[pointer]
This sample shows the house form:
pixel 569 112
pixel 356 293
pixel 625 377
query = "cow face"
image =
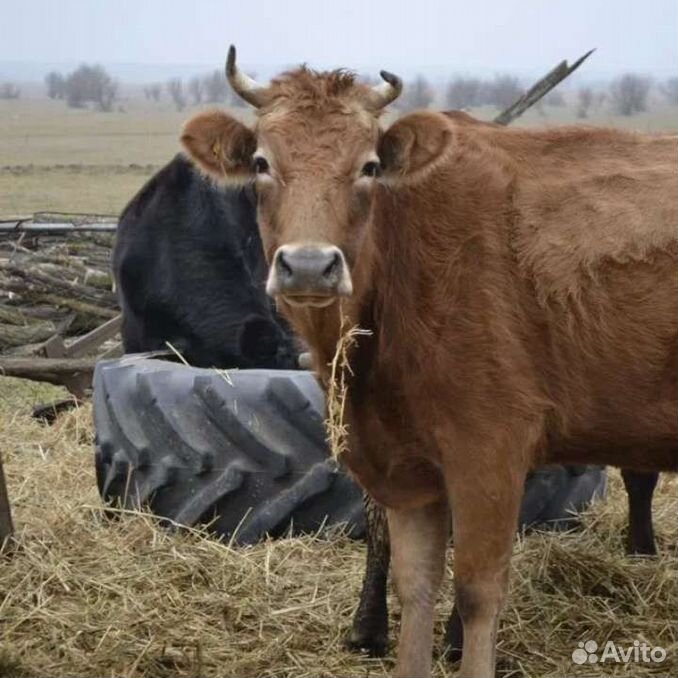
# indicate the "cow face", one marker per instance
pixel 318 159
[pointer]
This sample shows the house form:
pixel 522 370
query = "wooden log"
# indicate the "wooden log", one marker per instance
pixel 45 277
pixel 49 368
pixel 14 316
pixel 87 315
pixel 73 373
pixel 36 277
pixel 81 307
pixel 63 227
pixel 18 335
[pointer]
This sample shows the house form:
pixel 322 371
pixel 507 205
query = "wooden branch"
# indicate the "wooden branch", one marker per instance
pixel 95 338
pixel 49 412
pixel 540 89
pixel 23 227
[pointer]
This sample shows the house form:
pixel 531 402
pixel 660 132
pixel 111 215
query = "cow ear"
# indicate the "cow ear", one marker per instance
pixel 414 146
pixel 220 145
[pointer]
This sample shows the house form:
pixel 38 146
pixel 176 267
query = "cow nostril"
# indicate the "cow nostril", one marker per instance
pixel 333 266
pixel 283 266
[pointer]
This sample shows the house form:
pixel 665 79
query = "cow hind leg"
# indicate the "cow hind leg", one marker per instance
pixel 369 632
pixel 418 540
pixel 454 636
pixel 640 488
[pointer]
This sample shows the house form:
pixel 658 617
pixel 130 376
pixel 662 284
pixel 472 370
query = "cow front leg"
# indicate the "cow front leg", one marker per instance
pixel 485 506
pixel 418 540
pixel 370 622
pixel 640 488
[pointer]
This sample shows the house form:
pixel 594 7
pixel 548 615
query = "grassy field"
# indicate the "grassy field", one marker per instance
pixel 60 159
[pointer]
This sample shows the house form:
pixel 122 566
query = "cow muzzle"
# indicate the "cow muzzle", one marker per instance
pixel 309 275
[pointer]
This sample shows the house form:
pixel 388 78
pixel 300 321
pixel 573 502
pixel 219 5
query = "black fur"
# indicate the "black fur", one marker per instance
pixel 190 270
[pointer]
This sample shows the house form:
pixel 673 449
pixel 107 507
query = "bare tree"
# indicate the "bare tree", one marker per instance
pixel 107 95
pixel 464 93
pixel 669 90
pixel 416 94
pixel 9 90
pixel 175 88
pixel 216 87
pixel 153 91
pixel 502 91
pixel 628 93
pixel 554 98
pixel 56 85
pixel 90 84
pixel 196 87
pixel 584 102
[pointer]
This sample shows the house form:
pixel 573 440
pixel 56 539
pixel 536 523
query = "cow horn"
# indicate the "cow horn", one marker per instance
pixel 245 87
pixel 383 94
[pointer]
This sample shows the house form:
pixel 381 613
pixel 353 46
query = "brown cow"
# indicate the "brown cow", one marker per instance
pixel 520 290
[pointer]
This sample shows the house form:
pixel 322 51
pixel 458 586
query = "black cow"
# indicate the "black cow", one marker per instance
pixel 190 272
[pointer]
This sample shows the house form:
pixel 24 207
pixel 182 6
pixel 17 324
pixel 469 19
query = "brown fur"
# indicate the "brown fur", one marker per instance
pixel 521 292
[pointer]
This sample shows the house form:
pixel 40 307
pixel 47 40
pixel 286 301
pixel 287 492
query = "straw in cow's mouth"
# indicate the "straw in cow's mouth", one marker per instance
pixel 337 390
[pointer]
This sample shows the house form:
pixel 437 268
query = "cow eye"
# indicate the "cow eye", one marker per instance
pixel 260 164
pixel 371 169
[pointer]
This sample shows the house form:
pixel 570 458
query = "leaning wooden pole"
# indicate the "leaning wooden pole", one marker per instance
pixel 540 89
pixel 6 527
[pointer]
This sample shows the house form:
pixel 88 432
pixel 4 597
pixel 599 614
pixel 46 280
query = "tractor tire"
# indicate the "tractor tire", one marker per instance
pixel 555 494
pixel 244 453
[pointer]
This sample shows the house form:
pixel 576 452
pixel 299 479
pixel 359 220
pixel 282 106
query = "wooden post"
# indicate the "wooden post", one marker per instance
pixel 6 527
pixel 539 89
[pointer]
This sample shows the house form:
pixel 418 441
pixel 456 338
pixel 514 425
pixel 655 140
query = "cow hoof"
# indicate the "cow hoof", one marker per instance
pixel 641 549
pixel 372 645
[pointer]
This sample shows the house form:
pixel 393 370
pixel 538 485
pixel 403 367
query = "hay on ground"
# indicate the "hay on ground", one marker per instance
pixel 87 596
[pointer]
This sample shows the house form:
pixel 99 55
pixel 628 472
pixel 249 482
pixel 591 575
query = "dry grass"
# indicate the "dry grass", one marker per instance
pixel 74 189
pixel 82 160
pixel 87 596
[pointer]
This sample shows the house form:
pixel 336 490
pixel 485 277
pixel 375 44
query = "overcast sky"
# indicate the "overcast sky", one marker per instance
pixel 522 36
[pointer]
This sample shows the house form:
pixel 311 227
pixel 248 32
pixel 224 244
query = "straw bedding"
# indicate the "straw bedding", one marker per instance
pixel 85 595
